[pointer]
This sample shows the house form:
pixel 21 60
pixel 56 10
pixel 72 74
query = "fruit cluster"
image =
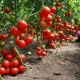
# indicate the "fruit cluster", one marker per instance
pixel 46 15
pixel 11 63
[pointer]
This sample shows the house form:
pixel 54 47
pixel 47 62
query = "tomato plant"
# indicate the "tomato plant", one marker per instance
pixel 54 21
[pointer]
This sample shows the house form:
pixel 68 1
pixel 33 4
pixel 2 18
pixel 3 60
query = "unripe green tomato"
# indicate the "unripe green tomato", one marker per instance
pixel 29 53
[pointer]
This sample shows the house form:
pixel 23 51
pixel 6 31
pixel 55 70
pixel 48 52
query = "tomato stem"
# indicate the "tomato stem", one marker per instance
pixel 1 77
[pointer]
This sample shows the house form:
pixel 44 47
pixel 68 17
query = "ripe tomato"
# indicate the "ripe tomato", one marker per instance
pixel 51 36
pixel 38 53
pixel 15 63
pixel 58 4
pixel 3 37
pixel 52 45
pixel 5 63
pixel 43 24
pixel 7 70
pixel 9 57
pixel 68 14
pixel 53 9
pixel 4 52
pixel 22 25
pixel 7 10
pixel 2 70
pixel 14 31
pixel 14 70
pixel 21 44
pixel 22 56
pixel 46 32
pixel 21 68
pixel 43 53
pixel 23 30
pixel 46 10
pixel 29 39
pixel 48 18
pixel 38 48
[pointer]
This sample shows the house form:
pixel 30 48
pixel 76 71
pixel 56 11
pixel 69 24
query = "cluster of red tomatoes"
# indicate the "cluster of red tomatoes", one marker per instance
pixel 20 32
pixel 46 15
pixel 11 64
pixel 40 51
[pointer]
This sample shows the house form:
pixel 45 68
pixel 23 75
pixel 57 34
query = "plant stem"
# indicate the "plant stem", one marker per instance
pixel 1 77
pixel 15 6
pixel 36 12
pixel 19 55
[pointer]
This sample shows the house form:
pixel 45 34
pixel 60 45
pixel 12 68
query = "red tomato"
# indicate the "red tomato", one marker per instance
pixel 48 18
pixel 15 63
pixel 52 45
pixel 2 70
pixel 58 20
pixel 43 24
pixel 58 4
pixel 14 31
pixel 53 9
pixel 22 56
pixel 21 44
pixel 46 32
pixel 14 54
pixel 38 53
pixel 21 68
pixel 38 48
pixel 29 39
pixel 46 10
pixel 45 37
pixel 7 70
pixel 22 25
pixel 9 57
pixel 3 37
pixel 43 53
pixel 14 70
pixel 23 30
pixel 58 17
pixel 5 63
pixel 51 36
pixel 68 13
pixel 7 10
pixel 4 52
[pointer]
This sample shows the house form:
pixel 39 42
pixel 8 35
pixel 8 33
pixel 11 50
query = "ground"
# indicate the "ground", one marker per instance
pixel 63 65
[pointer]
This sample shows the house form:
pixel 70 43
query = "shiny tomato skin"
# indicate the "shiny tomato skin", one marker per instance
pixel 9 57
pixel 46 32
pixel 43 24
pixel 15 63
pixel 2 70
pixel 46 10
pixel 38 53
pixel 28 39
pixel 5 63
pixel 53 9
pixel 22 25
pixel 21 68
pixel 3 37
pixel 43 53
pixel 21 44
pixel 14 31
pixel 51 36
pixel 4 52
pixel 7 70
pixel 48 18
pixel 14 70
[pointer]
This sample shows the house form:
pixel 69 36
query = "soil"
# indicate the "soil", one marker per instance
pixel 63 65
